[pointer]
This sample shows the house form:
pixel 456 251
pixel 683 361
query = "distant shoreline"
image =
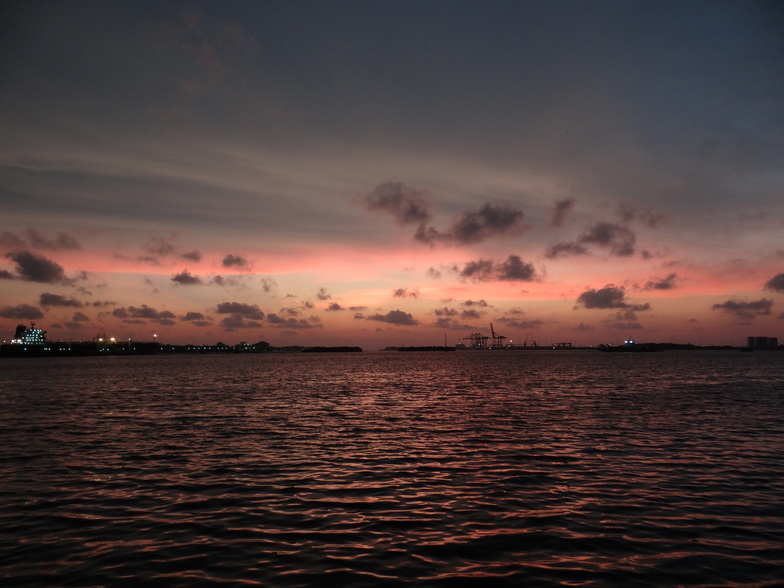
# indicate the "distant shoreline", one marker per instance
pixel 84 349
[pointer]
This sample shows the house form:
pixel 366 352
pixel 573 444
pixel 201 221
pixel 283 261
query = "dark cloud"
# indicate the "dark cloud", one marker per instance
pixel 521 325
pixel 99 303
pixel 513 269
pixel 193 316
pixel 192 255
pixel 627 314
pixel 268 284
pixel 481 303
pixel 62 241
pixel 480 270
pixel 445 312
pixel 407 205
pixel 405 293
pixel 232 260
pixel 47 299
pixel 250 311
pixel 489 220
pixel 474 226
pixel 394 317
pixel 225 281
pixel 334 306
pixel 452 324
pixel 559 211
pixel 471 314
pixel 135 314
pixel 293 323
pixel 448 267
pixel 80 317
pixel 565 248
pixel 322 294
pixel 22 311
pixel 34 239
pixel 608 297
pixel 236 321
pixel 6 275
pixel 12 241
pixel 667 283
pixel 619 239
pixel 776 283
pixel 158 247
pixel 745 310
pixel 34 268
pixel 644 215
pixel 430 235
pixel 444 323
pixel 186 278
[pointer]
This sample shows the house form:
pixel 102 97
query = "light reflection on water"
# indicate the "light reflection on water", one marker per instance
pixel 536 468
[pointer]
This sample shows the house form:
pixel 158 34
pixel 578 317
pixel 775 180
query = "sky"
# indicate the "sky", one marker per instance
pixel 393 173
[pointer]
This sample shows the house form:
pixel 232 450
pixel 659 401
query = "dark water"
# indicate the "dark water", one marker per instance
pixel 466 468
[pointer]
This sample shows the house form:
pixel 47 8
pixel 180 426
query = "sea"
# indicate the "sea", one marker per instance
pixel 466 468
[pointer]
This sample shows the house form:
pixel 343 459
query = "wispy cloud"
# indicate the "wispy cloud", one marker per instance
pixel 560 210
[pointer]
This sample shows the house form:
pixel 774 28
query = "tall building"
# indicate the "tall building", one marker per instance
pixel 762 342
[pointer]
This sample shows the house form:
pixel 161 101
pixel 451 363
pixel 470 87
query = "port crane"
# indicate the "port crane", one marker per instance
pixel 478 340
pixel 530 337
pixel 496 340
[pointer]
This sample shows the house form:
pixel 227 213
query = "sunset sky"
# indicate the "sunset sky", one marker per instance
pixel 382 173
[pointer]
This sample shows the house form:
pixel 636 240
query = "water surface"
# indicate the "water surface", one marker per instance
pixel 520 468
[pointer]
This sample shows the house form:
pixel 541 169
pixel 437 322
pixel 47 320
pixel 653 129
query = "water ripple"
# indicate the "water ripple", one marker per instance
pixel 541 469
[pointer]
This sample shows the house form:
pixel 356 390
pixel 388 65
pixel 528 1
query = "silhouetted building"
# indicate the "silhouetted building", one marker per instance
pixel 762 342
